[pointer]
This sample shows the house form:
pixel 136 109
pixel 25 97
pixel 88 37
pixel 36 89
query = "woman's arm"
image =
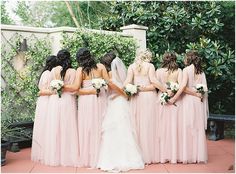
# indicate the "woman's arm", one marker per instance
pixel 182 88
pixel 130 76
pixel 150 87
pixel 77 83
pixel 153 79
pixel 190 91
pixel 45 92
pixel 87 92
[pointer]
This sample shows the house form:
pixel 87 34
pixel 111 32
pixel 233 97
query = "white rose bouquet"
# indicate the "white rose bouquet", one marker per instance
pixel 98 83
pixel 130 90
pixel 174 87
pixel 202 89
pixel 164 98
pixel 57 85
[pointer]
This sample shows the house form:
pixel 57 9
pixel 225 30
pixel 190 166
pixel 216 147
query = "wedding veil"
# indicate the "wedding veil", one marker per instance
pixel 119 72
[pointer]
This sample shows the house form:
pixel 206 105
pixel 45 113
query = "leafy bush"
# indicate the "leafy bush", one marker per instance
pixel 177 26
pixel 99 44
pixel 20 92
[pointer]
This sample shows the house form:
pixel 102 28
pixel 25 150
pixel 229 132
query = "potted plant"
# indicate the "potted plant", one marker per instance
pixel 6 133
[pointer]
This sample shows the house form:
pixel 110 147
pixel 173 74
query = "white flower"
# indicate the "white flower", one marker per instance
pixel 56 84
pixel 131 89
pixel 174 87
pixel 201 86
pixel 98 83
pixel 164 98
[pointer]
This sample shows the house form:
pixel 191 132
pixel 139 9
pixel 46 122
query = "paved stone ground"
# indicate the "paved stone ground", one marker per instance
pixel 221 155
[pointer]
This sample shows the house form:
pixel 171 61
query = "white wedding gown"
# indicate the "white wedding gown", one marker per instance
pixel 119 150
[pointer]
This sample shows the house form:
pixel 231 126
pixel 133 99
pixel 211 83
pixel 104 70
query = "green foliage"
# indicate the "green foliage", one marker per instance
pixel 8 133
pixel 99 44
pixel 5 18
pixel 56 14
pixel 20 93
pixel 219 67
pixel 176 26
pixel 35 14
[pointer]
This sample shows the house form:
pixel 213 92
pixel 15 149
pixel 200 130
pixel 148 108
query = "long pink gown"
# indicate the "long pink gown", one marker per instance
pixel 91 110
pixel 166 132
pixel 143 111
pixel 194 114
pixel 69 138
pixel 61 144
pixel 37 149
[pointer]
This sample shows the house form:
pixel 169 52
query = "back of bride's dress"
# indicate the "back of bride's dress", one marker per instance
pixel 119 150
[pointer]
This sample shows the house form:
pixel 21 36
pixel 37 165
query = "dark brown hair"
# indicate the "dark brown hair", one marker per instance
pixel 63 57
pixel 192 57
pixel 169 61
pixel 86 60
pixel 107 59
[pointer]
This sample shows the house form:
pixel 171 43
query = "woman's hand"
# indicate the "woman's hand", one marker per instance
pixel 171 101
pixel 170 93
pixel 142 88
pixel 150 87
pixel 199 95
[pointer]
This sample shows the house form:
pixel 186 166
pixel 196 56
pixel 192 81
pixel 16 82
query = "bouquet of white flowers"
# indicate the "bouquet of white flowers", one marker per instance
pixel 98 83
pixel 174 87
pixel 202 89
pixel 57 85
pixel 131 90
pixel 164 98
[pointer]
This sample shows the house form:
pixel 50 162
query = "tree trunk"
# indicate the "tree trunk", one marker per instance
pixel 72 14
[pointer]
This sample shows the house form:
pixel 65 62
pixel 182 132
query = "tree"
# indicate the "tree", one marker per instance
pixel 178 26
pixel 5 18
pixel 33 13
pixel 56 13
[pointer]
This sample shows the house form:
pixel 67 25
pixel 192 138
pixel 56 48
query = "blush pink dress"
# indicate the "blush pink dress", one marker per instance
pixel 37 149
pixel 143 111
pixel 194 117
pixel 69 138
pixel 166 131
pixel 61 133
pixel 91 110
pixel 52 136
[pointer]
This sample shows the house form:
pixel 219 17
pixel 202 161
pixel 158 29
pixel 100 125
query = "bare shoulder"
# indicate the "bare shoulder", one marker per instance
pixel 158 70
pixel 58 68
pixel 71 70
pixel 180 70
pixel 150 65
pixel 79 69
pixel 131 66
pixel 100 65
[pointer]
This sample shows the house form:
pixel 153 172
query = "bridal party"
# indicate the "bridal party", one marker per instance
pixel 116 118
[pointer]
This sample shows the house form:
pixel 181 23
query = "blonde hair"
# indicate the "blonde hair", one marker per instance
pixel 142 56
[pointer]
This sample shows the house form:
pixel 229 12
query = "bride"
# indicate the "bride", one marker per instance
pixel 119 150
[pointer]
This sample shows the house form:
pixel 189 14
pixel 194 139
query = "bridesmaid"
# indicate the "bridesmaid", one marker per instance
pixel 168 114
pixel 41 111
pixel 143 106
pixel 61 124
pixel 91 109
pixel 194 111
